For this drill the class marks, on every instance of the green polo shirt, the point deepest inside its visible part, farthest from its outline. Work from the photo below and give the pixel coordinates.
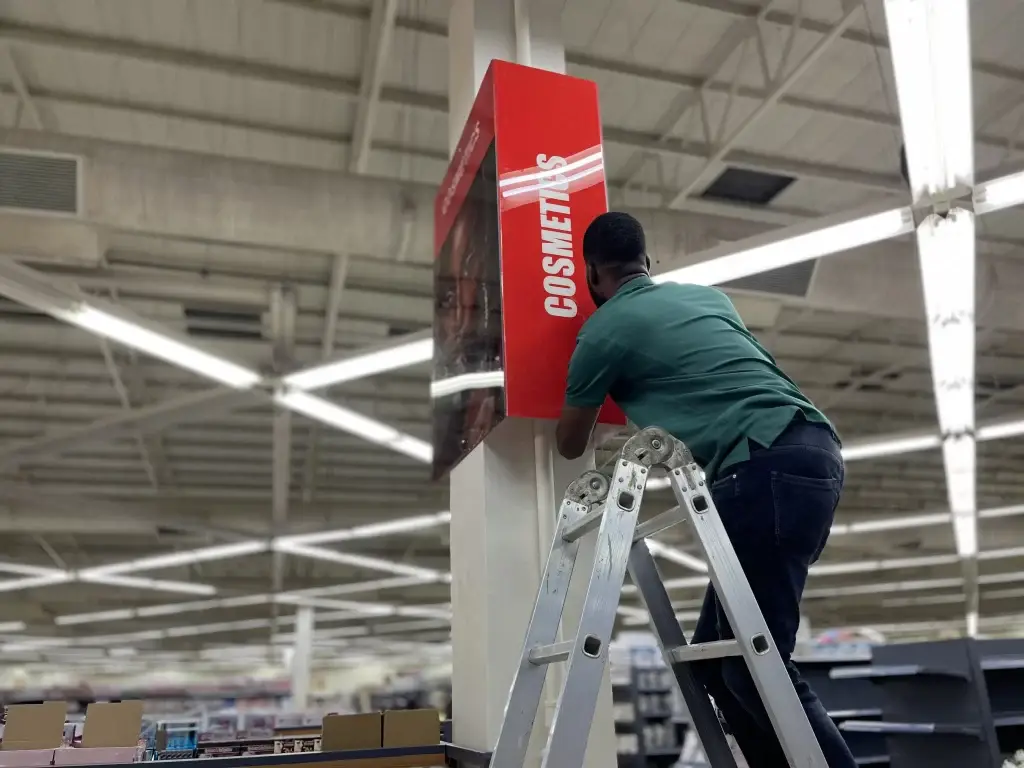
(679, 357)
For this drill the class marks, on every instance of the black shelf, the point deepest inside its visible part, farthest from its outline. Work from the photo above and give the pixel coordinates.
(895, 671)
(1002, 664)
(853, 698)
(910, 729)
(934, 706)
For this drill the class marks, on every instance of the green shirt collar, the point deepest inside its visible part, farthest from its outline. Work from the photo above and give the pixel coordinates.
(635, 284)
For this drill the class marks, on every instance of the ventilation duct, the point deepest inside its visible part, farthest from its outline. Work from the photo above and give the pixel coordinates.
(40, 183)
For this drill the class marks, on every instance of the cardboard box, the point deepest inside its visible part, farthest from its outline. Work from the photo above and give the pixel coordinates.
(95, 755)
(109, 724)
(412, 727)
(26, 758)
(340, 732)
(34, 726)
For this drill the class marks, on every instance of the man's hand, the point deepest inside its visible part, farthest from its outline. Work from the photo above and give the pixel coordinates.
(575, 427)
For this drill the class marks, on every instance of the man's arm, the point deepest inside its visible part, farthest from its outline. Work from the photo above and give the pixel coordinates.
(592, 373)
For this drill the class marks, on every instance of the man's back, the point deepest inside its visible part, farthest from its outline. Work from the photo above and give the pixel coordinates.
(684, 361)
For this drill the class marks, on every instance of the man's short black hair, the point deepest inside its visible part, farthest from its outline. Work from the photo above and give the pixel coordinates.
(614, 240)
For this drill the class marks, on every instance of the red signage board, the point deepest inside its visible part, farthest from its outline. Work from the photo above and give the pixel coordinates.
(525, 181)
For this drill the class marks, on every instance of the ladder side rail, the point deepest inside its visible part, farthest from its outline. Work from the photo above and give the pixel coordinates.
(643, 571)
(574, 714)
(764, 662)
(524, 699)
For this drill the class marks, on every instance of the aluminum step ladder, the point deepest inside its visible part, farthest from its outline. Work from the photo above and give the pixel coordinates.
(612, 506)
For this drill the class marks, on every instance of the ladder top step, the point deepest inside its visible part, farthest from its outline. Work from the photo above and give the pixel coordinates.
(549, 654)
(717, 649)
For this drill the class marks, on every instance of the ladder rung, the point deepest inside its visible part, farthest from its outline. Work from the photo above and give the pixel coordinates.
(716, 649)
(659, 523)
(549, 654)
(583, 526)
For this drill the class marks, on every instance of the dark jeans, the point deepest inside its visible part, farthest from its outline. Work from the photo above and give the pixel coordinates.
(777, 508)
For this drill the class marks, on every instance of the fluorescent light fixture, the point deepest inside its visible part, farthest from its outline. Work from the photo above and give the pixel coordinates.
(117, 614)
(466, 382)
(946, 249)
(998, 194)
(134, 582)
(177, 559)
(359, 561)
(869, 566)
(371, 585)
(636, 619)
(1000, 431)
(161, 346)
(373, 530)
(931, 58)
(889, 524)
(20, 569)
(12, 626)
(873, 449)
(781, 250)
(676, 556)
(946, 253)
(241, 601)
(360, 366)
(354, 423)
(959, 458)
(972, 623)
(35, 582)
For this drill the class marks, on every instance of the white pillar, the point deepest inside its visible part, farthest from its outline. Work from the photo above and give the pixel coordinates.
(505, 495)
(302, 657)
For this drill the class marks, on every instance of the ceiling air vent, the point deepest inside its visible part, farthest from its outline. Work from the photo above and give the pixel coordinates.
(794, 280)
(41, 183)
(224, 323)
(739, 185)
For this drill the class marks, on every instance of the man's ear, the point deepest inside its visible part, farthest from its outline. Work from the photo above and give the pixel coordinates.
(592, 277)
(648, 260)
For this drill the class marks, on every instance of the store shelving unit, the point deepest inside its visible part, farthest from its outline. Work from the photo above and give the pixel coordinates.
(650, 717)
(934, 705)
(847, 699)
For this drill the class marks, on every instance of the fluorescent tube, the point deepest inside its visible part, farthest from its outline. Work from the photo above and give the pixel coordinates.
(136, 582)
(677, 556)
(176, 559)
(809, 245)
(946, 251)
(358, 561)
(998, 194)
(371, 531)
(34, 582)
(158, 345)
(363, 365)
(354, 423)
(931, 58)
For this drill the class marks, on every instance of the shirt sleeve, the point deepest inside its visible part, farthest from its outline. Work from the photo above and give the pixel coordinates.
(593, 370)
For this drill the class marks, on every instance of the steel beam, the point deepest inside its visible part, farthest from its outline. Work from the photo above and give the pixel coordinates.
(375, 58)
(779, 89)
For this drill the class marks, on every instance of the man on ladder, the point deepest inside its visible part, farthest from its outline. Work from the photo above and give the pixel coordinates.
(679, 357)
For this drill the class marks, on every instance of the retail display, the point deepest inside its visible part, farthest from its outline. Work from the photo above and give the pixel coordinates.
(651, 719)
(612, 506)
(951, 703)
